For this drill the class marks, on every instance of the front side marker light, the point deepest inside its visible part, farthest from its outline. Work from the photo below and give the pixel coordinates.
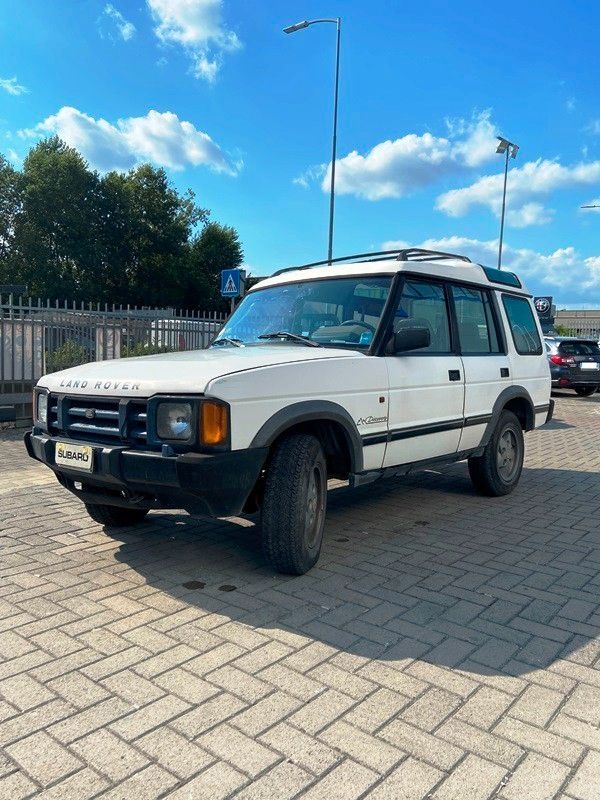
(214, 423)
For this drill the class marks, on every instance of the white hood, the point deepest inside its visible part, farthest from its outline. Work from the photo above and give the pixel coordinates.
(178, 373)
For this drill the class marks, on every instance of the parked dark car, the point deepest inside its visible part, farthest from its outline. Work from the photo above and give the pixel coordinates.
(574, 363)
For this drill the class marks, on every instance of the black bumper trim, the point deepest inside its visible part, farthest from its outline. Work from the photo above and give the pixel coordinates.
(216, 484)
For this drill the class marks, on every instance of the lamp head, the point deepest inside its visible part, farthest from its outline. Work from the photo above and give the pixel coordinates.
(297, 27)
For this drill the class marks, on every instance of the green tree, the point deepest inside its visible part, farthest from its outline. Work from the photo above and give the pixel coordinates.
(130, 238)
(56, 230)
(217, 247)
(11, 201)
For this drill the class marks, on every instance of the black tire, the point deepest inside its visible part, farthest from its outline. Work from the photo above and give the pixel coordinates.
(294, 504)
(585, 391)
(497, 471)
(115, 516)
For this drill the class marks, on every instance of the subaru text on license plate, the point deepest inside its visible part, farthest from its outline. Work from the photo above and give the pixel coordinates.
(74, 456)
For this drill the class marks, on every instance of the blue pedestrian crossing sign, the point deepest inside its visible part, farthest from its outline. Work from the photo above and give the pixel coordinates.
(231, 280)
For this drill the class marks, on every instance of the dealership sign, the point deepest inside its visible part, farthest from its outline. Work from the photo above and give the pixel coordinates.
(543, 306)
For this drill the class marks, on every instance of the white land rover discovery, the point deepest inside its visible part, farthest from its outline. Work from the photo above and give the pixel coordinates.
(373, 365)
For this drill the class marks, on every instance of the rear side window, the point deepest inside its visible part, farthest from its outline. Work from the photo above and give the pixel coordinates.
(579, 349)
(522, 325)
(476, 327)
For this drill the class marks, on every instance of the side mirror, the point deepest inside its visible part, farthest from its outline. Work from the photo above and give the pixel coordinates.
(411, 339)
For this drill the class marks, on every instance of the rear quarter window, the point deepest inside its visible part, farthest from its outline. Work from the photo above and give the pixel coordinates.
(523, 326)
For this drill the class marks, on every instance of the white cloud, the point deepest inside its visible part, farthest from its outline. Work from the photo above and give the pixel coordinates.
(564, 270)
(197, 26)
(161, 138)
(112, 24)
(396, 168)
(533, 180)
(593, 127)
(12, 86)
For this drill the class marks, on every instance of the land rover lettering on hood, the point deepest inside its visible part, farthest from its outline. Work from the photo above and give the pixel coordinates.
(358, 369)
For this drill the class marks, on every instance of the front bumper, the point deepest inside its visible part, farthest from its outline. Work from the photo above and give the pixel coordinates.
(216, 484)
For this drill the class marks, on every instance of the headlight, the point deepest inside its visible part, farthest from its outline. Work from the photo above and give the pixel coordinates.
(174, 421)
(42, 408)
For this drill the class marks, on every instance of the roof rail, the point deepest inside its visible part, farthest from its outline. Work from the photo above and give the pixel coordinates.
(419, 254)
(408, 254)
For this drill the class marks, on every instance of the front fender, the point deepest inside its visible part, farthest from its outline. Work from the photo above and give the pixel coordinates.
(309, 411)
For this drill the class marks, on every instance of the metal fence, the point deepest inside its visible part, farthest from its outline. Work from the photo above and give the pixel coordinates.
(38, 337)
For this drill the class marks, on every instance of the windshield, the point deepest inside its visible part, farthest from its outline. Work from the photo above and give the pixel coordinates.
(341, 312)
(579, 348)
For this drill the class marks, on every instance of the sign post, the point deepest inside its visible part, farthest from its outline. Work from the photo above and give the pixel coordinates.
(232, 284)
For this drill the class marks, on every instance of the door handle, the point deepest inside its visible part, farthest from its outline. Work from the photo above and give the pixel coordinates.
(454, 374)
(504, 372)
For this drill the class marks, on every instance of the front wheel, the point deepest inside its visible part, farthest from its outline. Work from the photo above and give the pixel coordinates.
(115, 516)
(294, 504)
(585, 391)
(497, 471)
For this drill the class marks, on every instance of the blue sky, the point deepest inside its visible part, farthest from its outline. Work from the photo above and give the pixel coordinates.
(241, 113)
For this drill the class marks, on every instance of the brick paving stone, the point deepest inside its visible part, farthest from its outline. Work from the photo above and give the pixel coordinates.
(78, 690)
(282, 782)
(307, 752)
(536, 778)
(484, 708)
(174, 752)
(218, 782)
(266, 713)
(483, 743)
(82, 785)
(420, 744)
(584, 786)
(536, 705)
(108, 754)
(584, 704)
(243, 752)
(149, 784)
(363, 747)
(42, 758)
(348, 781)
(16, 786)
(473, 779)
(540, 741)
(24, 692)
(411, 780)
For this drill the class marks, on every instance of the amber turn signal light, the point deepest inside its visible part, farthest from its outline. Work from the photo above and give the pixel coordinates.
(214, 428)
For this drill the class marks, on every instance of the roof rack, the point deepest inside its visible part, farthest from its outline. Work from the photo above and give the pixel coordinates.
(407, 254)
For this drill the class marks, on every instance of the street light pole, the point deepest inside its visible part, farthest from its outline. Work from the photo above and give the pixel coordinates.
(338, 23)
(509, 149)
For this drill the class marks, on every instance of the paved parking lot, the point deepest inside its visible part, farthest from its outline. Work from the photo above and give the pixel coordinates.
(447, 646)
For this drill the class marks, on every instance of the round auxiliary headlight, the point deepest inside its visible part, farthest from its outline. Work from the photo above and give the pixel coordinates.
(174, 421)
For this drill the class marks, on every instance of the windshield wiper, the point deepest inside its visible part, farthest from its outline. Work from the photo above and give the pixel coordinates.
(228, 340)
(293, 337)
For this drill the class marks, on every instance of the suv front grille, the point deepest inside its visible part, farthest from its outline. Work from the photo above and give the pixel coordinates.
(108, 421)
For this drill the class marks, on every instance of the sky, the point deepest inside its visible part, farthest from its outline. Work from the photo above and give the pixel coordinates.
(230, 106)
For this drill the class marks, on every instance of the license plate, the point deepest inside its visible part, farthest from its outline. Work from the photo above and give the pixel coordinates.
(74, 456)
(589, 365)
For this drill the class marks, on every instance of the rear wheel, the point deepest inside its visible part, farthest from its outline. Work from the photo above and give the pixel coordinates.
(497, 471)
(115, 516)
(585, 391)
(294, 503)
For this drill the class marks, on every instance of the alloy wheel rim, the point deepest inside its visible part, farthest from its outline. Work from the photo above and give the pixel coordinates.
(507, 456)
(314, 507)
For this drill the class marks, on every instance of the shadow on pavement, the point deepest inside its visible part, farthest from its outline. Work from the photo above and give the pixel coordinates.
(413, 568)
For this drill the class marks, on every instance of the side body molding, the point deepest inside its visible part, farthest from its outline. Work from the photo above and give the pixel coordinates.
(311, 411)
